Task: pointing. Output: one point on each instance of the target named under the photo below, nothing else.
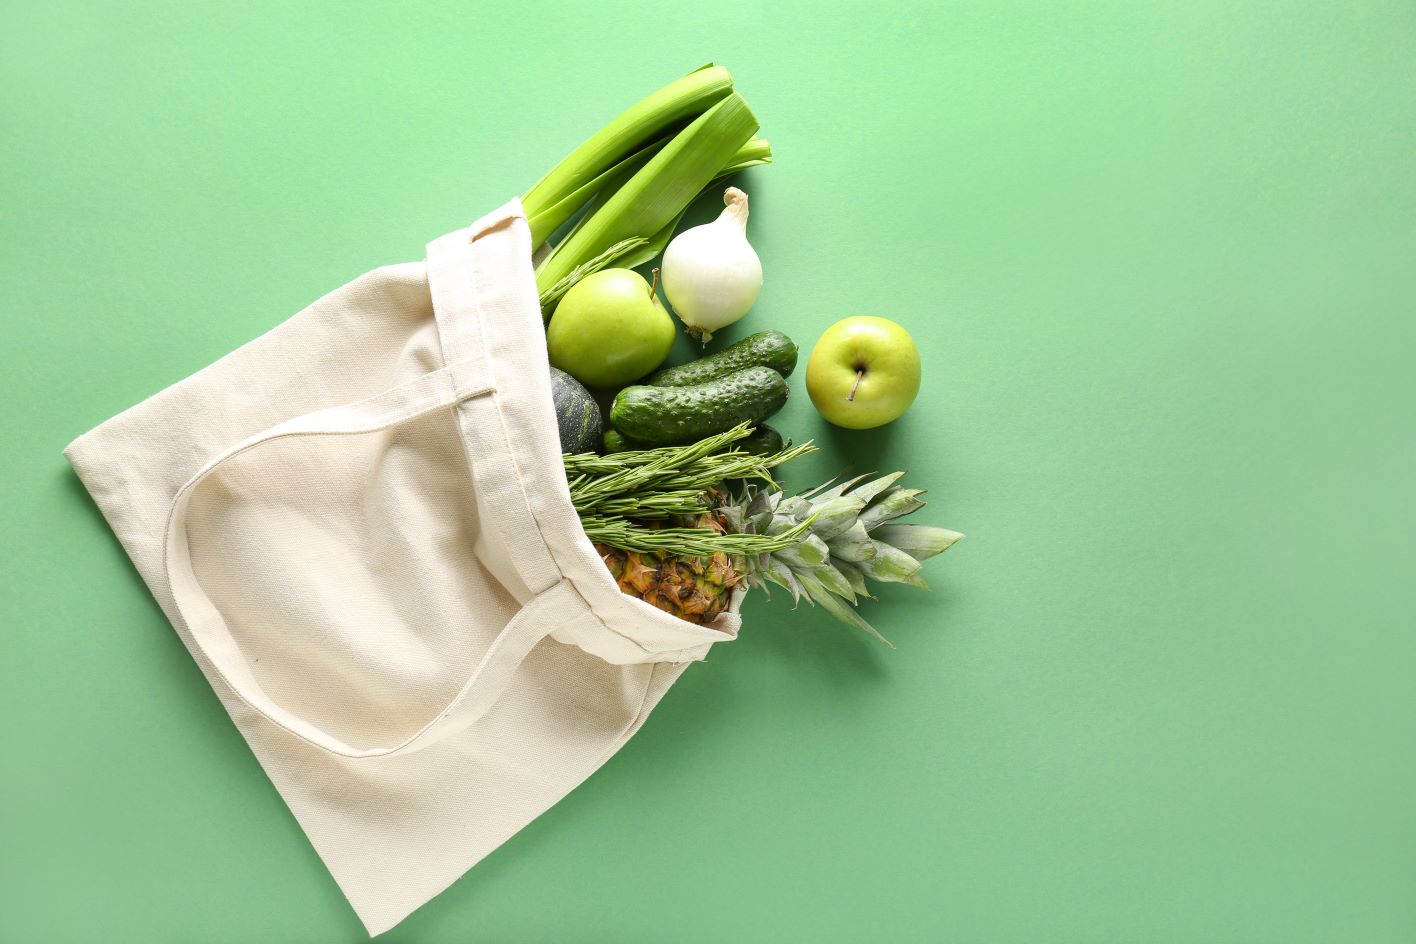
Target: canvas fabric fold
(359, 524)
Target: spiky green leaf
(854, 576)
(759, 501)
(779, 573)
(794, 506)
(838, 608)
(871, 489)
(832, 579)
(760, 522)
(920, 541)
(895, 503)
(835, 516)
(853, 544)
(825, 491)
(807, 553)
(890, 565)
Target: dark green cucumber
(615, 441)
(764, 441)
(764, 349)
(668, 416)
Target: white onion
(711, 273)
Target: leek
(548, 219)
(659, 192)
(556, 197)
(636, 251)
(751, 154)
(757, 151)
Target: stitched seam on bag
(511, 452)
(477, 282)
(475, 273)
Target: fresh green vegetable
(596, 481)
(664, 416)
(612, 493)
(765, 349)
(656, 195)
(673, 538)
(623, 146)
(577, 414)
(764, 441)
(610, 329)
(848, 542)
(712, 275)
(632, 181)
(614, 441)
(755, 152)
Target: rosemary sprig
(699, 466)
(613, 492)
(589, 463)
(653, 506)
(553, 294)
(686, 542)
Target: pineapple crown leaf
(855, 576)
(825, 491)
(854, 544)
(920, 541)
(673, 535)
(895, 503)
(836, 516)
(889, 564)
(817, 593)
(870, 490)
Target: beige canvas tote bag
(360, 526)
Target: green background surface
(1161, 262)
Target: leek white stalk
(712, 275)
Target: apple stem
(860, 372)
(654, 287)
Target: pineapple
(850, 538)
(696, 589)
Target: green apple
(863, 372)
(609, 329)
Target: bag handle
(209, 632)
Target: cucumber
(764, 441)
(670, 416)
(764, 349)
(615, 441)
